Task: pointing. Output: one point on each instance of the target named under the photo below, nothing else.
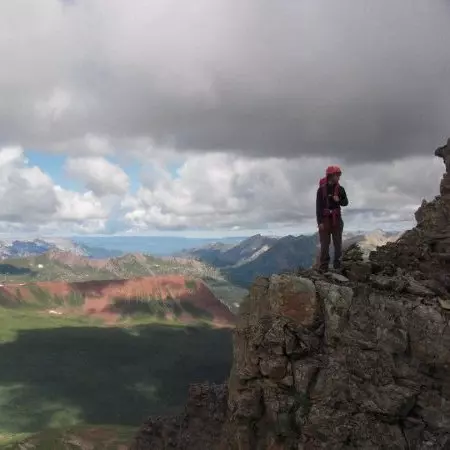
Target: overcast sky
(218, 115)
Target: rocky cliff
(358, 360)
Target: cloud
(249, 100)
(362, 80)
(214, 191)
(226, 191)
(73, 206)
(27, 193)
(53, 108)
(99, 175)
(31, 200)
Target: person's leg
(325, 240)
(337, 244)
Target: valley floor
(64, 372)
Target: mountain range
(165, 297)
(261, 255)
(15, 248)
(70, 267)
(237, 260)
(105, 246)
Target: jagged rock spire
(444, 153)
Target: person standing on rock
(330, 197)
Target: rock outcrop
(337, 361)
(200, 427)
(425, 249)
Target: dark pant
(329, 232)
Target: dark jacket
(322, 204)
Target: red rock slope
(191, 298)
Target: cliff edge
(359, 360)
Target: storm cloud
(219, 114)
(354, 79)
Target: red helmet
(331, 170)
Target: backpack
(323, 185)
(327, 212)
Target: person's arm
(343, 200)
(319, 206)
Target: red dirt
(98, 295)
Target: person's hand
(321, 227)
(336, 198)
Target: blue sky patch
(53, 165)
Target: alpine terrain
(89, 346)
(336, 361)
(261, 255)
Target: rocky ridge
(336, 361)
